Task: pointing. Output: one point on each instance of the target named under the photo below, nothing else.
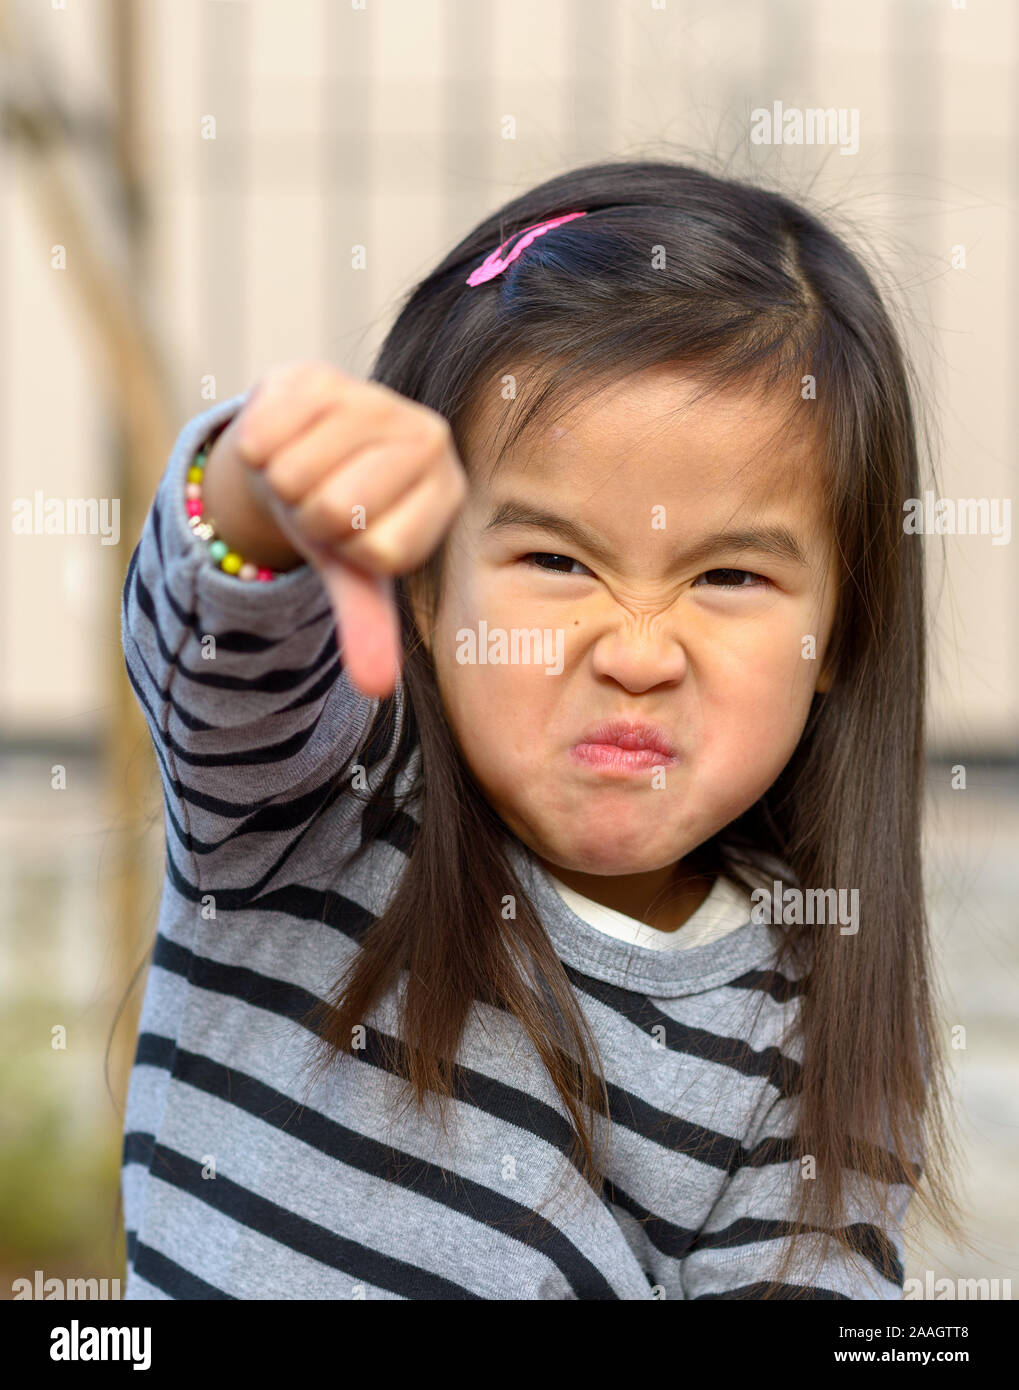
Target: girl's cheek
(490, 703)
(775, 649)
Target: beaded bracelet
(228, 560)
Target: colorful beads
(228, 560)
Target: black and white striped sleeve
(241, 682)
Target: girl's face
(609, 537)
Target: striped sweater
(241, 1180)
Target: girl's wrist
(242, 538)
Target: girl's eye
(722, 578)
(728, 583)
(536, 557)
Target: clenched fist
(351, 477)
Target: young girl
(541, 730)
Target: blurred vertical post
(105, 269)
(140, 383)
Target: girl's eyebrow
(776, 540)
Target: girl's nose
(640, 656)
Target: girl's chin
(601, 845)
(614, 860)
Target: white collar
(724, 909)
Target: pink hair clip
(494, 264)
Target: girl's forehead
(662, 434)
(655, 408)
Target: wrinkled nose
(640, 654)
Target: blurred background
(193, 191)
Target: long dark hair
(675, 265)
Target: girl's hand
(352, 477)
